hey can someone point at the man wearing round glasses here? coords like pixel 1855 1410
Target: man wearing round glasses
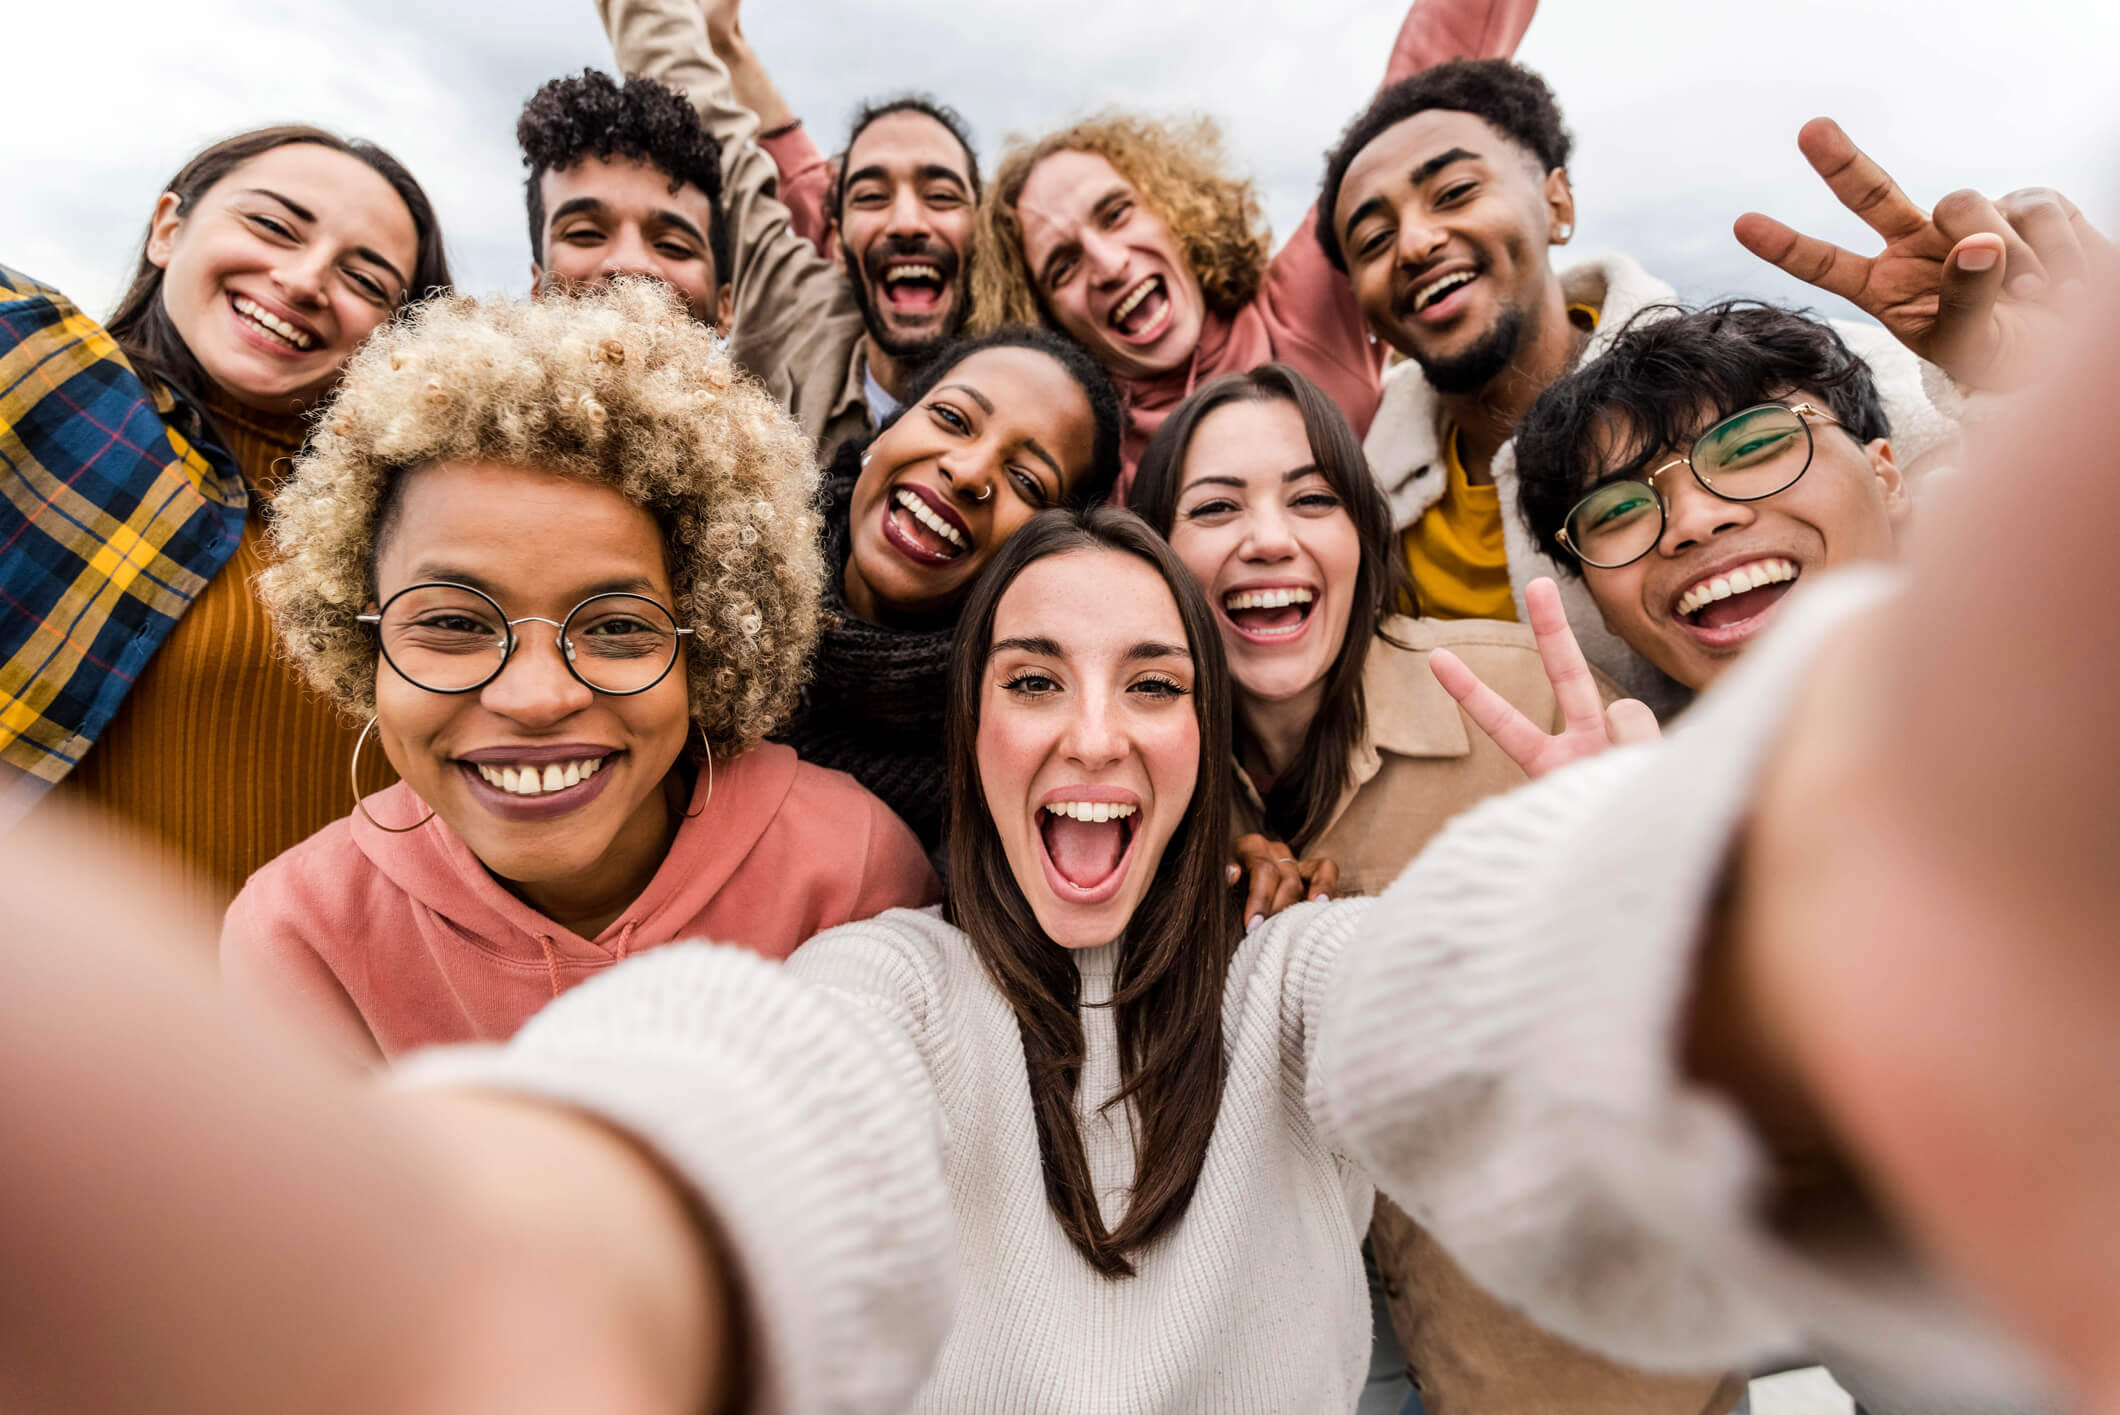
pixel 1701 468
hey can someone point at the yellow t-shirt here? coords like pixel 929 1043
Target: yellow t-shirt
pixel 1455 554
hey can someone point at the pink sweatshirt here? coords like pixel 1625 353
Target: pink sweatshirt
pixel 1304 314
pixel 390 942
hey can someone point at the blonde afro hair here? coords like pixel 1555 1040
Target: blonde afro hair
pixel 1179 169
pixel 616 385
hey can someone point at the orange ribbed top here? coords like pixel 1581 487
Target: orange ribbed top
pixel 220 752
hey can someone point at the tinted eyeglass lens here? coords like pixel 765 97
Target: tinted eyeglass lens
pixel 621 643
pixel 443 637
pixel 1754 453
pixel 1616 523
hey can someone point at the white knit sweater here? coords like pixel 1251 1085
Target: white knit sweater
pixel 1491 1041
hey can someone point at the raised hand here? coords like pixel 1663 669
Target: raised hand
pixel 1589 727
pixel 1973 286
pixel 724 23
pixel 1277 878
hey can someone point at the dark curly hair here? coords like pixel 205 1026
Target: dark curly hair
pixel 925 105
pixel 591 114
pixel 1509 97
pixel 1668 374
pixel 1088 374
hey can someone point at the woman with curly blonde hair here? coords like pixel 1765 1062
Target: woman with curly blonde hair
pixel 1129 236
pixel 560 556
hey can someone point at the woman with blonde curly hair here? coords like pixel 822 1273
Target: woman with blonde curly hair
pixel 1129 236
pixel 559 556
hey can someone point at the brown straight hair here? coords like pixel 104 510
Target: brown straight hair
pixel 1303 796
pixel 1174 956
pixel 141 324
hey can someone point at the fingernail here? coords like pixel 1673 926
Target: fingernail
pixel 1233 873
pixel 1256 920
pixel 1320 897
pixel 1978 258
pixel 2026 286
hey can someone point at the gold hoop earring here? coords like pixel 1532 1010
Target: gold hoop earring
pixel 358 804
pixel 695 815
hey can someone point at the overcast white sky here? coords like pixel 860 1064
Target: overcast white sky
pixel 1684 111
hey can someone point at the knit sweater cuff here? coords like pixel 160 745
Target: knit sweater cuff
pixel 793 1125
pixel 1500 1052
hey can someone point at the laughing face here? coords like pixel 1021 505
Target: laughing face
pixel 1088 748
pixel 905 221
pixel 1716 577
pixel 1445 224
pixel 1271 543
pixel 559 790
pixel 277 272
pixel 1000 437
pixel 1107 267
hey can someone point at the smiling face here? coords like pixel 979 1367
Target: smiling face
pixel 1088 747
pixel 1106 266
pixel 1445 223
pixel 606 217
pixel 1000 437
pixel 1716 577
pixel 905 223
pixel 277 272
pixel 557 789
pixel 1270 542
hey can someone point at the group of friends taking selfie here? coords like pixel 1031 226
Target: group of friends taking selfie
pixel 1175 822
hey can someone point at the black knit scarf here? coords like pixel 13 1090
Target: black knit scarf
pixel 874 704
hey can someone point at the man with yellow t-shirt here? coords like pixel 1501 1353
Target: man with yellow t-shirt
pixel 1442 202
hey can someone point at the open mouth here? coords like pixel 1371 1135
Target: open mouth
pixel 530 789
pixel 919 526
pixel 913 287
pixel 1272 614
pixel 270 326
pixel 1438 298
pixel 1145 312
pixel 1733 604
pixel 1087 846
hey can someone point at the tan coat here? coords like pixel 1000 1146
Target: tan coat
pixel 1423 762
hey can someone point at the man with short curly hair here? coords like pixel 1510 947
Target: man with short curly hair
pixel 623 182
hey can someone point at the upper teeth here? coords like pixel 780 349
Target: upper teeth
pixel 1125 307
pixel 1437 288
pixel 528 780
pixel 1266 599
pixel 910 500
pixel 1091 810
pixel 913 272
pixel 258 314
pixel 1730 582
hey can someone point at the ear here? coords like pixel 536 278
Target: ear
pixel 725 308
pixel 1891 482
pixel 162 229
pixel 537 279
pixel 1560 207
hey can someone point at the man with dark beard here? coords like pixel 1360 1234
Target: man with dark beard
pixel 1441 203
pixel 835 340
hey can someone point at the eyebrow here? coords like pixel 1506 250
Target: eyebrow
pixel 926 172
pixel 432 570
pixel 303 213
pixel 1215 479
pixel 595 207
pixel 972 393
pixel 1147 649
pixel 1150 649
pixel 1416 177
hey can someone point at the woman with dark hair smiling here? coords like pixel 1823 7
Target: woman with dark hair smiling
pixel 1347 747
pixel 991 432
pixel 137 669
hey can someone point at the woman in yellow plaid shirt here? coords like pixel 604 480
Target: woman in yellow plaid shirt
pixel 137 670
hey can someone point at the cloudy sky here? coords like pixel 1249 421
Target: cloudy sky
pixel 1684 111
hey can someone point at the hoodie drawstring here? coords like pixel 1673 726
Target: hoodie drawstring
pixel 625 939
pixel 544 941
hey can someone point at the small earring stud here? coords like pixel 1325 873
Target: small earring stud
pixel 1564 231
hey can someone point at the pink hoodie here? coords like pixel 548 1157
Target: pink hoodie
pixel 400 941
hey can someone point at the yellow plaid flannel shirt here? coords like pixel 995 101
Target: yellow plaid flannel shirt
pixel 113 518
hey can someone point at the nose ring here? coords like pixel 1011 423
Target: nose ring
pixel 986 496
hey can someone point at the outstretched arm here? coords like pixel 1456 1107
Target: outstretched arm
pixel 805 176
pixel 1437 31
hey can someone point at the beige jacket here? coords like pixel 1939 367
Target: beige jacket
pixel 796 327
pixel 1422 763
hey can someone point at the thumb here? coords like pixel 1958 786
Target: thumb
pixel 1630 721
pixel 1963 341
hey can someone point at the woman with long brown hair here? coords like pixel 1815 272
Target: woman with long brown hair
pixel 140 674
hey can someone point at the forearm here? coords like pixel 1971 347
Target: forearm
pixel 1437 31
pixel 752 84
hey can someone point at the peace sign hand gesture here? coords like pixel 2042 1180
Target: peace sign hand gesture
pixel 1589 727
pixel 1973 287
